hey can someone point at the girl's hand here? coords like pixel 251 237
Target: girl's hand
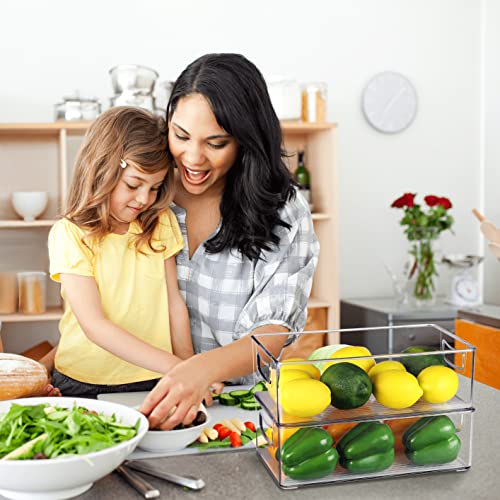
pixel 177 396
pixel 50 390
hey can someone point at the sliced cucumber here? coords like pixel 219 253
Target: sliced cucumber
pixel 240 394
pixel 258 387
pixel 226 399
pixel 248 405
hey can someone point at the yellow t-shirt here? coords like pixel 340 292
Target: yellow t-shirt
pixel 133 294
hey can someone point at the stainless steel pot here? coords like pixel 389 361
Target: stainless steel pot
pixel 162 93
pixel 77 108
pixel 133 77
pixel 133 99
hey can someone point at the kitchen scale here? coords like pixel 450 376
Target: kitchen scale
pixel 464 286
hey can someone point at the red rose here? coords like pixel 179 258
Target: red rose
pixel 445 203
pixel 432 200
pixel 404 201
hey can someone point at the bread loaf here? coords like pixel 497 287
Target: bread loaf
pixel 20 377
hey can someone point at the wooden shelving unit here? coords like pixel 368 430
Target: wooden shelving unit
pixel 38 156
pixel 53 313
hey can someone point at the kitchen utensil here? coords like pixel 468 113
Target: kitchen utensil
pixel 489 230
pixel 133 99
pixel 495 248
pixel 464 286
pixel 158 441
pixel 75 108
pixel 186 481
pixel 162 93
pixel 29 204
pixel 132 77
pixel 137 482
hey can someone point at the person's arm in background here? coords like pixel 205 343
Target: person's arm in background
pixel 83 296
pixel 277 306
pixel 48 360
pixel 180 332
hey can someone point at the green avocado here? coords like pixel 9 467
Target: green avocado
pixel 415 364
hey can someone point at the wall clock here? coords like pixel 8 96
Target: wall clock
pixel 389 102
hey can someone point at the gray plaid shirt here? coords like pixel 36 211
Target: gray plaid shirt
pixel 229 295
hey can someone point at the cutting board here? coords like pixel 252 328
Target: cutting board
pixel 216 413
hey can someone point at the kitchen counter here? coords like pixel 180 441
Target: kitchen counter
pixel 485 314
pixel 241 476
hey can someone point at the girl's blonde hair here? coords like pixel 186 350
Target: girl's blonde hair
pixel 121 133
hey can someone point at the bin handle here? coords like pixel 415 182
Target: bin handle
pixel 259 369
pixel 263 433
pixel 459 367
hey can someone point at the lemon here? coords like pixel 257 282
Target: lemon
pixel 439 383
pixel 352 352
pixel 385 366
pixel 304 397
pixel 285 376
pixel 306 367
pixel 396 389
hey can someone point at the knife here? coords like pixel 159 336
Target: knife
pixel 137 482
pixel 188 482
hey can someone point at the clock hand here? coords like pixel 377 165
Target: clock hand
pixel 392 101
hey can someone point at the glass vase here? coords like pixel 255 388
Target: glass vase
pixel 423 249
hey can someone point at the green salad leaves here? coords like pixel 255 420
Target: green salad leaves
pixel 43 431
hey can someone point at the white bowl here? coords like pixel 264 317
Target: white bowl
pixel 61 478
pixel 163 441
pixel 29 204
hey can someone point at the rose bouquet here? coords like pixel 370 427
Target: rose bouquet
pixel 422 226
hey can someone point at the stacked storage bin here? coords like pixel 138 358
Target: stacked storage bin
pixel 386 442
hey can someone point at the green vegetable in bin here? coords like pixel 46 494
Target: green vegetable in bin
pixel 415 364
pixel 308 454
pixel 367 447
pixel 432 440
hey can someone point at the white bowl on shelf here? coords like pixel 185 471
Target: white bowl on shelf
pixel 67 477
pixel 29 204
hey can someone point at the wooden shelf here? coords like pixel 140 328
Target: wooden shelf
pixel 21 224
pixel 48 129
pixel 53 313
pixel 298 127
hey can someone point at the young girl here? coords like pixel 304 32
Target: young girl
pixel 125 323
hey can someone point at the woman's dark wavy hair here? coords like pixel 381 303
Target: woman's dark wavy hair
pixel 259 183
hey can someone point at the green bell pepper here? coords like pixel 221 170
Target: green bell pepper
pixel 308 454
pixel 432 440
pixel 368 447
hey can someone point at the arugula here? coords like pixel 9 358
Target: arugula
pixel 70 431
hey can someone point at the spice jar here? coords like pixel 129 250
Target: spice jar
pixel 32 292
pixel 314 102
pixel 8 293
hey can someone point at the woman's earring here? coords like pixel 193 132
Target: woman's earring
pixel 123 163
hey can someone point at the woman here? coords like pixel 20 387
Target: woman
pixel 250 249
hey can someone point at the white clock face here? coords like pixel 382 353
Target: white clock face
pixel 389 102
pixel 467 289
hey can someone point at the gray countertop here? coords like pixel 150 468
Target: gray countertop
pixel 241 476
pixel 485 314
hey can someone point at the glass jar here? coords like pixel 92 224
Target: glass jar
pixel 314 97
pixel 32 292
pixel 285 97
pixel 8 293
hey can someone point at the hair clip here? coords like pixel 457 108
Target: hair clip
pixel 123 163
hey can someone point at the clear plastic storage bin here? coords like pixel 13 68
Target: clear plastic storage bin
pixel 457 354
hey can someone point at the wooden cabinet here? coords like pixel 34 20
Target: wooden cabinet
pixel 40 156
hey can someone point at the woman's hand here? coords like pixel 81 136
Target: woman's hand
pixel 177 396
